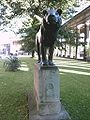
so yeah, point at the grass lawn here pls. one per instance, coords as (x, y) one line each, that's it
(75, 89)
(14, 87)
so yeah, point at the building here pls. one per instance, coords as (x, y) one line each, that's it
(8, 43)
(81, 23)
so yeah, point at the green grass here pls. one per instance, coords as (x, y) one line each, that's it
(75, 94)
(14, 87)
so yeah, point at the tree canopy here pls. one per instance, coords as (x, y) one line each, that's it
(11, 9)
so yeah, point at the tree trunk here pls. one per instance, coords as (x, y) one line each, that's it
(33, 53)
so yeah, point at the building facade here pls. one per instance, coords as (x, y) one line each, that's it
(81, 23)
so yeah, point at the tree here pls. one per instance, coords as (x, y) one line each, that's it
(5, 12)
(30, 8)
(66, 36)
(36, 8)
(14, 8)
(28, 36)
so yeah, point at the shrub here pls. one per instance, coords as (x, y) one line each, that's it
(11, 63)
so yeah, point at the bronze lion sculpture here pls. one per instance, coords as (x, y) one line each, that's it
(47, 35)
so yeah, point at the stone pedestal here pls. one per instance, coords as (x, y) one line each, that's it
(47, 95)
(47, 89)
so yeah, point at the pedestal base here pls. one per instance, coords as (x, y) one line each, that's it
(47, 95)
(47, 89)
(34, 114)
(49, 108)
